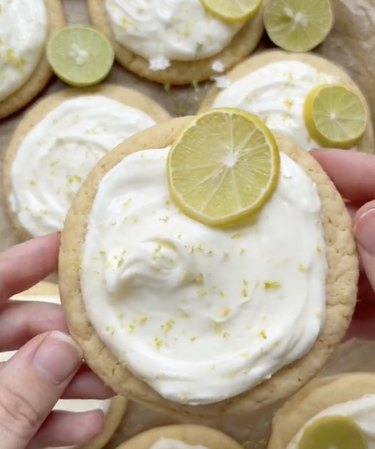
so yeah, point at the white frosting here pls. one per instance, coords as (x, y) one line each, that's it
(222, 82)
(163, 30)
(68, 405)
(276, 93)
(168, 443)
(218, 66)
(23, 34)
(362, 411)
(57, 154)
(199, 313)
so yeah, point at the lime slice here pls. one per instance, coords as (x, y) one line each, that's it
(232, 10)
(80, 56)
(335, 116)
(223, 166)
(298, 25)
(338, 432)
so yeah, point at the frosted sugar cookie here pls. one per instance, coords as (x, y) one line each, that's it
(25, 27)
(204, 320)
(328, 412)
(59, 141)
(181, 437)
(174, 42)
(114, 409)
(274, 85)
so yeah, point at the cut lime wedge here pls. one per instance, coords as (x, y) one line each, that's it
(298, 25)
(80, 56)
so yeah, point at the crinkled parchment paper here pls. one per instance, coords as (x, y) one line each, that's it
(351, 44)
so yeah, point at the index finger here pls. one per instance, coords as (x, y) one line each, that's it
(353, 173)
(25, 264)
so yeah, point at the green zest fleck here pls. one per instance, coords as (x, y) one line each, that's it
(271, 285)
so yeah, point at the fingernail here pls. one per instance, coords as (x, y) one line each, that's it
(57, 357)
(364, 230)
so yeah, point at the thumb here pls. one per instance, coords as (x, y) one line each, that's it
(364, 230)
(31, 382)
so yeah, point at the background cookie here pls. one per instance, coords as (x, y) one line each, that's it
(341, 286)
(316, 396)
(181, 72)
(193, 435)
(42, 73)
(323, 66)
(25, 219)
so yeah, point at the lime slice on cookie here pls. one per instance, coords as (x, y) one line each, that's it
(298, 25)
(80, 56)
(335, 116)
(333, 432)
(232, 10)
(223, 166)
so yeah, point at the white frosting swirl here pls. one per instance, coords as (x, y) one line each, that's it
(163, 30)
(168, 443)
(23, 34)
(361, 410)
(67, 405)
(276, 93)
(199, 313)
(59, 151)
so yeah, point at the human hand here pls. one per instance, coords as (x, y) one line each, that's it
(48, 364)
(354, 176)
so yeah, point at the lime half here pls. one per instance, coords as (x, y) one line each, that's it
(298, 25)
(80, 56)
(333, 432)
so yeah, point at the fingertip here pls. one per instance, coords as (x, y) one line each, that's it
(322, 151)
(362, 212)
(351, 171)
(364, 232)
(51, 242)
(57, 358)
(27, 263)
(92, 423)
(87, 425)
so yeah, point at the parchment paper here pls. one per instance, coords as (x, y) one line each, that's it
(351, 44)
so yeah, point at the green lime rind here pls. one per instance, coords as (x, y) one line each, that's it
(80, 56)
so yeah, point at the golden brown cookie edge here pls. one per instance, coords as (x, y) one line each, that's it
(313, 398)
(341, 287)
